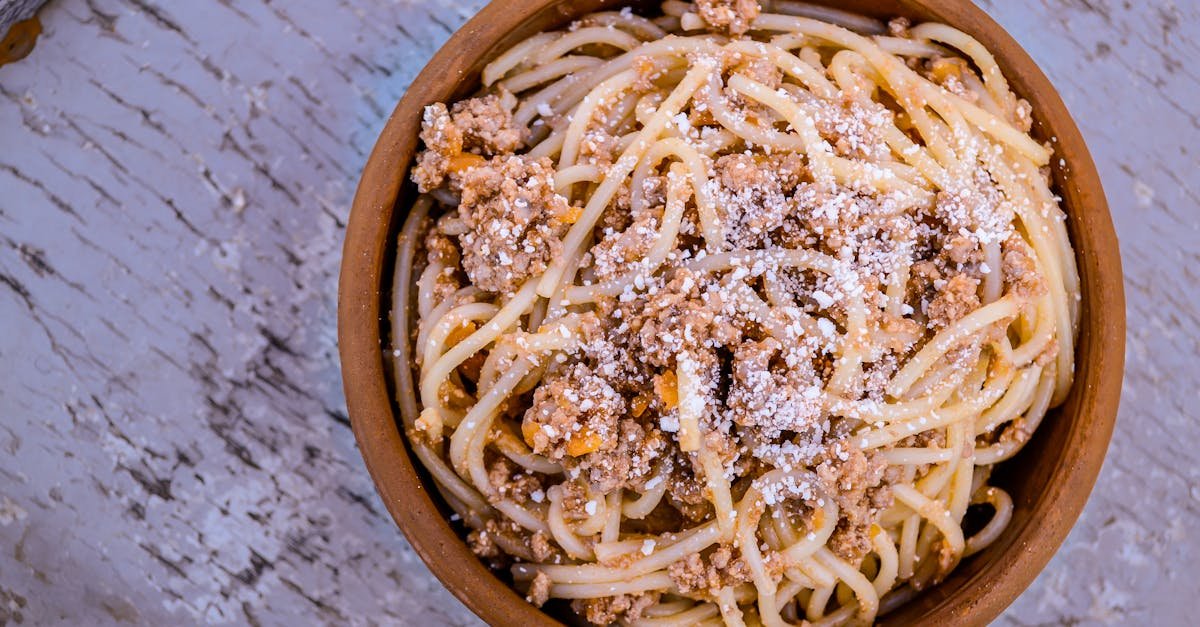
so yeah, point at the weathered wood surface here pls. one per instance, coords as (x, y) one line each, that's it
(174, 180)
(16, 10)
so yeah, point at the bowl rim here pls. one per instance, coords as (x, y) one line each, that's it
(362, 317)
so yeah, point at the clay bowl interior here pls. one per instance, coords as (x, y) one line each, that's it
(1049, 480)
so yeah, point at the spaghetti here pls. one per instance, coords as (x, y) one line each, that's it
(724, 316)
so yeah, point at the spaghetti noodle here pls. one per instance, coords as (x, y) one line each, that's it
(725, 316)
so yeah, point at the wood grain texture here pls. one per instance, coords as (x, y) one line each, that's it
(174, 180)
(15, 11)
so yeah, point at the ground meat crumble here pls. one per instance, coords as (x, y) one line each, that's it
(958, 297)
(608, 610)
(855, 479)
(1021, 275)
(511, 481)
(476, 127)
(574, 413)
(514, 221)
(631, 463)
(539, 590)
(487, 126)
(731, 16)
(720, 568)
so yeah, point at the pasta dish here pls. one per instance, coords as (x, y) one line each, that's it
(725, 315)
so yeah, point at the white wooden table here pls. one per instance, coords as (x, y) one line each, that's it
(174, 181)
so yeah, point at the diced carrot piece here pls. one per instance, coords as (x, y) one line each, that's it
(667, 388)
(583, 443)
(460, 333)
(572, 214)
(944, 69)
(529, 429)
(464, 161)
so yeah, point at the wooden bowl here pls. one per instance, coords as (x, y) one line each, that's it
(1049, 480)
